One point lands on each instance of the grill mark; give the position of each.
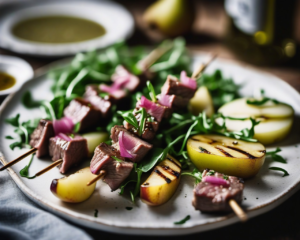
(163, 176)
(243, 152)
(203, 150)
(170, 159)
(171, 171)
(224, 152)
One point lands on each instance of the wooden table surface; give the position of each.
(284, 221)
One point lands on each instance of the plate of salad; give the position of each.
(180, 145)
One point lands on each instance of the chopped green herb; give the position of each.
(117, 159)
(9, 137)
(152, 91)
(183, 221)
(285, 173)
(28, 101)
(130, 118)
(24, 172)
(143, 121)
(210, 173)
(225, 177)
(275, 156)
(128, 208)
(77, 127)
(261, 102)
(195, 174)
(14, 121)
(96, 213)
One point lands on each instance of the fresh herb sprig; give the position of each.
(277, 158)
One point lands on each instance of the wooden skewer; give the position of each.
(56, 163)
(238, 210)
(18, 159)
(202, 67)
(153, 56)
(101, 175)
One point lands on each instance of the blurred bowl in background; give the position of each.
(116, 20)
(17, 68)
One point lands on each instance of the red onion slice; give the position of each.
(63, 125)
(215, 180)
(165, 100)
(152, 108)
(189, 82)
(125, 146)
(63, 136)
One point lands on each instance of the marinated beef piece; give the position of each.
(151, 126)
(103, 104)
(136, 146)
(71, 150)
(116, 172)
(83, 112)
(175, 102)
(210, 197)
(174, 87)
(154, 109)
(40, 137)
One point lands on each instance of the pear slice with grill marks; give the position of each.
(226, 155)
(162, 183)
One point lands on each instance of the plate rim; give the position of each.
(153, 231)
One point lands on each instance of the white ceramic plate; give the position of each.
(18, 68)
(117, 21)
(264, 192)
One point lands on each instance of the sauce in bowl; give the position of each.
(58, 29)
(6, 81)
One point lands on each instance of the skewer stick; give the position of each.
(153, 56)
(238, 210)
(101, 175)
(46, 169)
(202, 67)
(18, 159)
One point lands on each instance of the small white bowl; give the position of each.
(17, 68)
(116, 20)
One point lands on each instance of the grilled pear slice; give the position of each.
(94, 139)
(240, 108)
(268, 131)
(202, 101)
(226, 155)
(276, 120)
(73, 188)
(162, 183)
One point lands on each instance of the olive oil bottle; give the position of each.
(261, 31)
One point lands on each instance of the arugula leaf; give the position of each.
(24, 172)
(285, 173)
(122, 188)
(96, 213)
(188, 217)
(28, 101)
(77, 127)
(261, 102)
(9, 137)
(129, 117)
(152, 91)
(16, 144)
(151, 159)
(195, 174)
(275, 156)
(14, 121)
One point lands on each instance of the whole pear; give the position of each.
(171, 17)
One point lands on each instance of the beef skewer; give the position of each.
(219, 193)
(105, 160)
(85, 110)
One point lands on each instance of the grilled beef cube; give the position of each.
(176, 102)
(116, 172)
(103, 104)
(151, 127)
(40, 137)
(158, 111)
(81, 111)
(209, 197)
(71, 150)
(137, 146)
(174, 87)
